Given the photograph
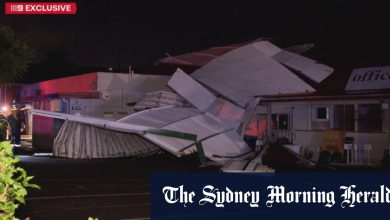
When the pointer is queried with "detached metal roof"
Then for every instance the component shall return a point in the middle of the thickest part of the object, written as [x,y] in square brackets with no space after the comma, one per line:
[202,57]
[239,74]
[251,71]
[208,128]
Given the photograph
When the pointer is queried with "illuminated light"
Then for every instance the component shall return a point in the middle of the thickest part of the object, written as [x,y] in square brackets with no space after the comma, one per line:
[4,108]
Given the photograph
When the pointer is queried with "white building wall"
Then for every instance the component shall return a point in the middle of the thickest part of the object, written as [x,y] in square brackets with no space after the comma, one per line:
[90,107]
[304,134]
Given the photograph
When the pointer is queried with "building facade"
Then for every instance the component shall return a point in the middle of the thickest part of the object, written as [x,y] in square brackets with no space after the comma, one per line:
[99,94]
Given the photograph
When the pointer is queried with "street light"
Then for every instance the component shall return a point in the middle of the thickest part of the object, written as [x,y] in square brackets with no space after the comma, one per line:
[4,108]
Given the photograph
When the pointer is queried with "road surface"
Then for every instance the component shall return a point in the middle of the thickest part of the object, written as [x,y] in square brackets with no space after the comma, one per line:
[103,188]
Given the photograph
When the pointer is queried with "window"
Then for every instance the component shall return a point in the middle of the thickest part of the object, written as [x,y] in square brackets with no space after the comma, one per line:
[370,117]
[344,117]
[322,113]
[280,121]
[320,118]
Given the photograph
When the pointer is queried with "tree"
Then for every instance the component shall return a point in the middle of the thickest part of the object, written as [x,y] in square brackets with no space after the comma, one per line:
[15,56]
[13,183]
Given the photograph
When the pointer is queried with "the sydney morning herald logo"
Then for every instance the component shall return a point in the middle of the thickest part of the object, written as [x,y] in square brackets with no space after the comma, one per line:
[350,196]
[40,8]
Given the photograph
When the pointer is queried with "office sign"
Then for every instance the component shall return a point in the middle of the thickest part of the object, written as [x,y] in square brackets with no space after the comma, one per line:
[369,78]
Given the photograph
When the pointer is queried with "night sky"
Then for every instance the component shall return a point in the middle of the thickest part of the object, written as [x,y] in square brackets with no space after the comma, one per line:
[113,33]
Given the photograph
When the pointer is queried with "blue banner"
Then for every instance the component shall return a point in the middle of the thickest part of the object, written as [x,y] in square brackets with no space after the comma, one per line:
[274,196]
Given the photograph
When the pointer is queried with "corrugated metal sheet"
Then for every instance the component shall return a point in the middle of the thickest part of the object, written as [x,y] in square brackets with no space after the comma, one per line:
[96,122]
[159,117]
[247,72]
[77,140]
[158,99]
[267,48]
[191,90]
[298,49]
[87,137]
[203,100]
[250,109]
[219,142]
[227,112]
[310,68]
[208,128]
[198,58]
[225,146]
[202,57]
[239,75]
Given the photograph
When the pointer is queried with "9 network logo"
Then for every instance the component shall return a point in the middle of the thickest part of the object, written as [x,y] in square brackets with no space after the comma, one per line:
[40,8]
